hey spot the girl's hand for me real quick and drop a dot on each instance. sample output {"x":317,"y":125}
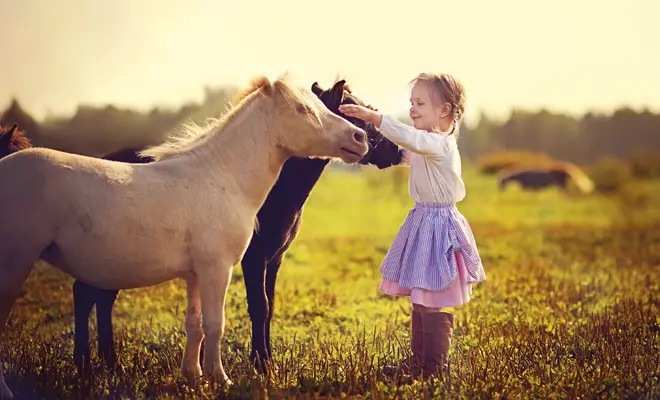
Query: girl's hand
{"x":360,"y":112}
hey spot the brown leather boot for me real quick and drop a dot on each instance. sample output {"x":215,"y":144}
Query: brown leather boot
{"x":438,"y":330}
{"x":417,"y":343}
{"x":411,"y":365}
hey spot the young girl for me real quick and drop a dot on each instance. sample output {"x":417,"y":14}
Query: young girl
{"x":434,"y":257}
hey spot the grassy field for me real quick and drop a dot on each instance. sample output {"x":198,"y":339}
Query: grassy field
{"x":569,"y":310}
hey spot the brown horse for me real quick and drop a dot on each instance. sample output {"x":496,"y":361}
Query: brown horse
{"x":558,"y":174}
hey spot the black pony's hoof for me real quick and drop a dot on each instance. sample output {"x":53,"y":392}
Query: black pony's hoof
{"x":259,"y":363}
{"x":109,"y":362}
{"x":81,"y":361}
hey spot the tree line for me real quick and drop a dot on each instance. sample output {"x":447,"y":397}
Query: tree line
{"x":584,"y":140}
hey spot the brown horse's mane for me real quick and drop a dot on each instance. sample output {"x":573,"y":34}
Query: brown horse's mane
{"x":18,"y":139}
{"x":191,"y":134}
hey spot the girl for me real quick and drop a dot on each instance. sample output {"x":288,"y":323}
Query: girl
{"x":434,"y":258}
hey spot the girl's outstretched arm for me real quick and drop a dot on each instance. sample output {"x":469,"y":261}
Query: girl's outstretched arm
{"x":406,"y":136}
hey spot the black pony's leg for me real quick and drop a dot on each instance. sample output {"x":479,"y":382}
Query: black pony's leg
{"x":83,"y":302}
{"x":105,"y":301}
{"x":271,"y":276}
{"x":254,"y":271}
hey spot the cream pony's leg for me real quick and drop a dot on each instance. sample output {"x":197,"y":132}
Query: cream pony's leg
{"x":213,"y":290}
{"x":190,"y":367}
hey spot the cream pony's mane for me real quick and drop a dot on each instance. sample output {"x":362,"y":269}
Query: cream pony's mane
{"x":192,"y":135}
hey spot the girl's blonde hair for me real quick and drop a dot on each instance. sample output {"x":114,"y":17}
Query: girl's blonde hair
{"x":448,"y":89}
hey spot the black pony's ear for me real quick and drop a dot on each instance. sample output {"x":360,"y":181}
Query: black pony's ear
{"x":6,"y":138}
{"x":317,"y":89}
{"x":338,"y":90}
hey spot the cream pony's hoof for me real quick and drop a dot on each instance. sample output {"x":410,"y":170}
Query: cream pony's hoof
{"x":221,"y":378}
{"x":192,"y":375}
{"x":226,"y":382}
{"x":191,"y":372}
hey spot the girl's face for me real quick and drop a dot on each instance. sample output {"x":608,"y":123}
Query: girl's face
{"x":424,"y":113}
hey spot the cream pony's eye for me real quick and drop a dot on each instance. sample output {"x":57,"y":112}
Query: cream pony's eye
{"x":304,"y":109}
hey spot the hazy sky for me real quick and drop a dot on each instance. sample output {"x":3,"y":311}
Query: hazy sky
{"x":564,"y":55}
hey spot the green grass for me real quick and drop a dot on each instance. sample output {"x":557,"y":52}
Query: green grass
{"x":569,"y":310}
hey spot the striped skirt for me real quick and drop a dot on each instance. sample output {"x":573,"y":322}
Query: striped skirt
{"x":434,"y":258}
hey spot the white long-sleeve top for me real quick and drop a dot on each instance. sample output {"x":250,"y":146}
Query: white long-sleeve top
{"x":434,"y":160}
